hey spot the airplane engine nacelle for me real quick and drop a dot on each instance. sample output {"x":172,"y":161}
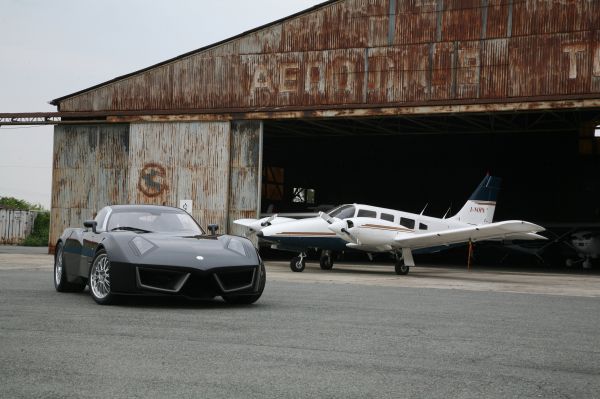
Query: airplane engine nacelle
{"x":374,"y":232}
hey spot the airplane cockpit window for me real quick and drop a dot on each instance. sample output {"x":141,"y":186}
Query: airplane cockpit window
{"x":387,"y":216}
{"x":406,"y":222}
{"x":366,"y":213}
{"x":343,"y":212}
{"x":422,"y":226}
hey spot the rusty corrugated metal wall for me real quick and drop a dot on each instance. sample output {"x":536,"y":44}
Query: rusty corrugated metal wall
{"x":175,"y":161}
{"x":244,"y":189}
{"x":365,"y":52}
{"x":214,"y":164}
{"x":89,"y":171}
{"x":15,"y":225}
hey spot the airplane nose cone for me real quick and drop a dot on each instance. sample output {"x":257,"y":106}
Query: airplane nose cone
{"x":260,"y":234}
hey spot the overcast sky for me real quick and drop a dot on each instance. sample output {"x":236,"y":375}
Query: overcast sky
{"x":53,"y":48}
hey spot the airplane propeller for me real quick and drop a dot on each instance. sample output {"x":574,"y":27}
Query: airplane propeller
{"x":267,"y":222}
{"x":339,"y":226}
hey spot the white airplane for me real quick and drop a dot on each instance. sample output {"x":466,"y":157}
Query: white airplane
{"x":373,"y":229}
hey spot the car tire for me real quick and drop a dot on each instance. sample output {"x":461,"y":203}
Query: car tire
{"x":248,"y":299}
{"x":297,"y":264}
{"x":326,"y":260}
{"x":61,"y":284}
{"x":401,"y":268}
{"x":99,"y":279}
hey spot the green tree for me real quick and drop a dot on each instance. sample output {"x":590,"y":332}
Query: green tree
{"x":19,"y":204}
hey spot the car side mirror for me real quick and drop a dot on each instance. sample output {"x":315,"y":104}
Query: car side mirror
{"x":90,"y":224}
{"x":213,"y":228}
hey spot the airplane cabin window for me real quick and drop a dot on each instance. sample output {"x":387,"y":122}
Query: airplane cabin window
{"x":422,"y":226}
{"x":366,"y":214}
{"x":343,"y":212}
{"x":406,"y":222}
{"x":387,"y":216}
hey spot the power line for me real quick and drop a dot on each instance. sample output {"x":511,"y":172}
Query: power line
{"x":20,"y":127}
{"x":25,"y":166}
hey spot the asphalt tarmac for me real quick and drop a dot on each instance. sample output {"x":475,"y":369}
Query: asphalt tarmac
{"x":308,"y":336}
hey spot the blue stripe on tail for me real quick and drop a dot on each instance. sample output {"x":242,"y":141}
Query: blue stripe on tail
{"x":487,"y":190}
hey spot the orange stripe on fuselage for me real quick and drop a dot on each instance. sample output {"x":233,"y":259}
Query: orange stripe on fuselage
{"x":382,"y":227}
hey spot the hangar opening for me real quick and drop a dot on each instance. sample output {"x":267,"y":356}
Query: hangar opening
{"x":548,"y":160}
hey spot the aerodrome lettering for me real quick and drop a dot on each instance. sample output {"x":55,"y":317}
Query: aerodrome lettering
{"x":387,"y":70}
{"x":573,"y":51}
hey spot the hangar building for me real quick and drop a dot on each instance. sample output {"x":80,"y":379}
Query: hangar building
{"x":396,"y":103}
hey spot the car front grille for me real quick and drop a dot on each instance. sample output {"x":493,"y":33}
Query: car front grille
{"x":196,"y":284}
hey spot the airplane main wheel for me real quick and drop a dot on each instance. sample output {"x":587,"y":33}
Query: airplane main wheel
{"x":326,"y":260}
{"x":401,"y":268}
{"x":297,"y":264}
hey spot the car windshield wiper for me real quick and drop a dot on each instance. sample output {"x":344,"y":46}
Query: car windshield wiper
{"x":128,"y":228}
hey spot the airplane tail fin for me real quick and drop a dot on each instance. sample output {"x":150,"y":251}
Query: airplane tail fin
{"x":480,"y":207}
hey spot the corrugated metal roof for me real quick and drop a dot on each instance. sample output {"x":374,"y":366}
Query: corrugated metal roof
{"x":361,"y":53}
{"x":56,"y":101}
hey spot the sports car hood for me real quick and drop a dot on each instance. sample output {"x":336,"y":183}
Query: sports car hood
{"x":201,"y":252}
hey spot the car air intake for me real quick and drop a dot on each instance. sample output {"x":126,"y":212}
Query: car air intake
{"x":235,"y":280}
{"x":160,"y":280}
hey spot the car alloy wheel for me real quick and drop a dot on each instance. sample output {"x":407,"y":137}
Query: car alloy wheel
{"x":60,"y":273}
{"x":100,"y":279}
{"x":58,"y":266}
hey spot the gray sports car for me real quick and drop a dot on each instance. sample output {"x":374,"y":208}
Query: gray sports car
{"x":156,"y":250}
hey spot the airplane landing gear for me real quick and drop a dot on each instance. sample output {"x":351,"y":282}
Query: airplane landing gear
{"x":586,"y":263}
{"x":400,"y":267}
{"x":298,"y":263}
{"x":326,"y":260}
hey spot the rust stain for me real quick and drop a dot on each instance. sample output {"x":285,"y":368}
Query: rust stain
{"x":152,"y":180}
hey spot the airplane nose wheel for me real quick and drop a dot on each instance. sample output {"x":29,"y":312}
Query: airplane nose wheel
{"x":401,"y":268}
{"x":298,"y":263}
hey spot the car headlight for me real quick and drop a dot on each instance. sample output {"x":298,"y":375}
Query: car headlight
{"x":140,"y":245}
{"x":237,"y":246}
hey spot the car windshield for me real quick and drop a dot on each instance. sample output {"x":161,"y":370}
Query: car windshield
{"x":162,"y":220}
{"x":343,"y":212}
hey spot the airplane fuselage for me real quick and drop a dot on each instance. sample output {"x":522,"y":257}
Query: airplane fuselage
{"x":303,"y":234}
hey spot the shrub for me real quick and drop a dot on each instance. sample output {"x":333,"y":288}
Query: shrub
{"x":39,"y":235}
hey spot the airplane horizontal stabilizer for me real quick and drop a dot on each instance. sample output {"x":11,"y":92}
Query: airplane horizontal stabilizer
{"x":511,"y":229}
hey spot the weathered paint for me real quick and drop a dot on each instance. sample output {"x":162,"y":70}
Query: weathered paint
{"x":15,"y":225}
{"x":354,"y":112}
{"x":245,"y":172}
{"x":89,"y":171}
{"x":365,"y":52}
{"x":170,"y":162}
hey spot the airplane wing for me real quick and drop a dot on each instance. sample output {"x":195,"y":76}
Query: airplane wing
{"x":511,"y":229}
{"x":259,"y":224}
